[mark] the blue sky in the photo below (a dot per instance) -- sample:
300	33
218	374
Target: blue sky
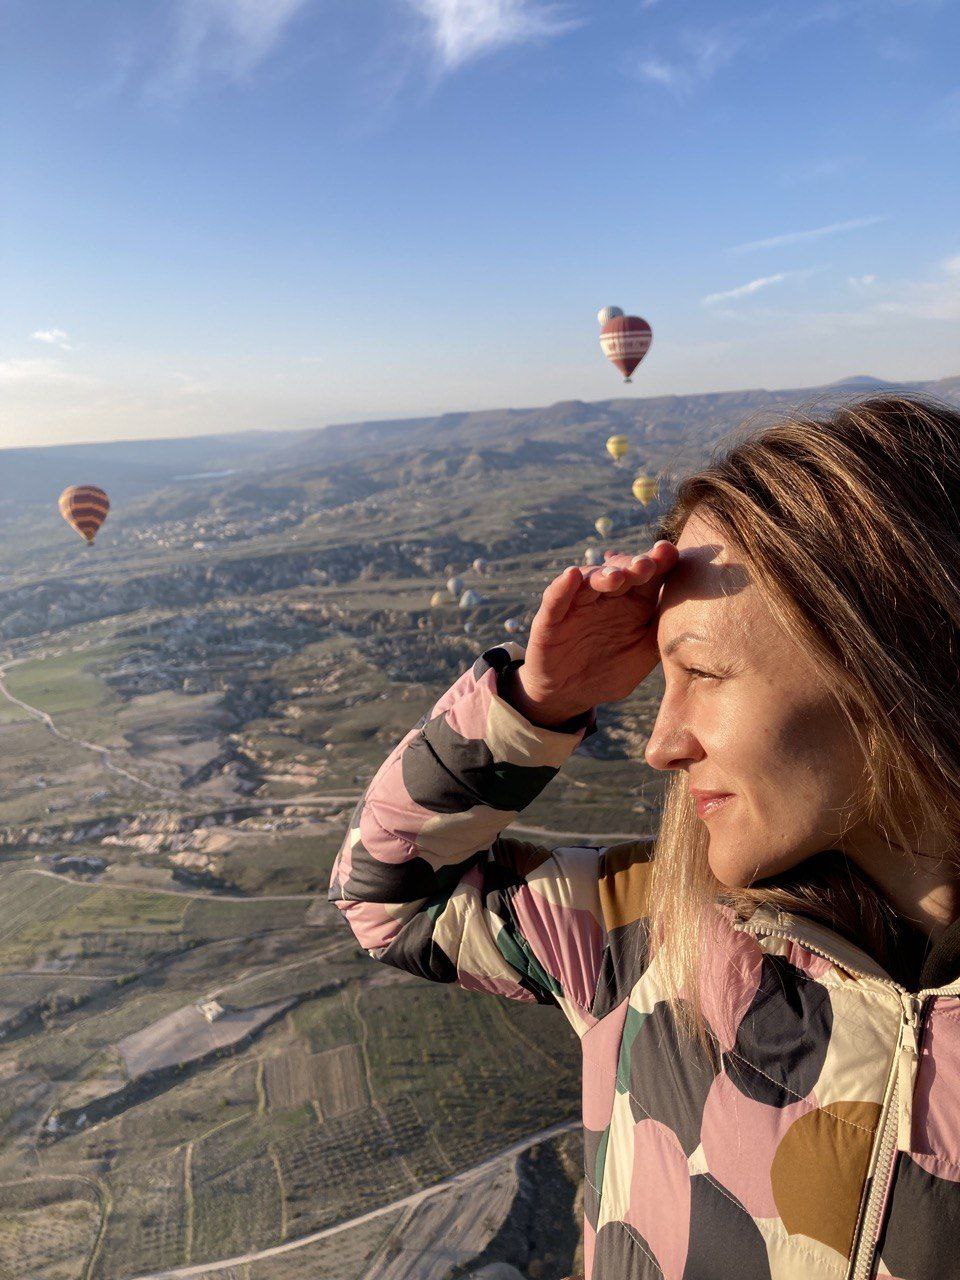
222	214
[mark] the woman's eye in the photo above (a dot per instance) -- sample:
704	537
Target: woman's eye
700	674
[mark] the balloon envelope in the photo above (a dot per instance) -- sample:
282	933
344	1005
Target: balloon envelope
606	314
618	447
593	556
454	586
604	526
513	625
480	565
470	599
625	340
645	488
85	508
438	600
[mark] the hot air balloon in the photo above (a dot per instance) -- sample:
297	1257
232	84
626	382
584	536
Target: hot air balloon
593	556
468	628
480	566
645	488
618	447
606	314
603	526
513	625
85	507
454	586
625	340
438	600
470	599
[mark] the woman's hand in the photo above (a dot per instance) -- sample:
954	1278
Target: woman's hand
594	637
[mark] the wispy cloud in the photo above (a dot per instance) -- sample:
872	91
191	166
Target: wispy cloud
53	338
801	237
701	54
39	373
224	38
461	30
815	170
935	298
751	287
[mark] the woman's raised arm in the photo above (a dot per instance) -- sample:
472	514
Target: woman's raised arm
424	877
428	884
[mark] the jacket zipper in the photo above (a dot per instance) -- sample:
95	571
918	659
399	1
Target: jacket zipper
896	1115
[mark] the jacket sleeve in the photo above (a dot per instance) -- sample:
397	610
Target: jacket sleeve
428	884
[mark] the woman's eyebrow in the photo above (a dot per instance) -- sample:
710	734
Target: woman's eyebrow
677	641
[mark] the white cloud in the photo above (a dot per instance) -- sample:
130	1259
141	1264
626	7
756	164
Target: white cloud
934	298
226	38
815	170
751	287
53	338
700	56
801	237
38	373
861	283
460	30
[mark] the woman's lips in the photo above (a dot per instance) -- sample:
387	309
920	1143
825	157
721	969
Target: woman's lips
710	802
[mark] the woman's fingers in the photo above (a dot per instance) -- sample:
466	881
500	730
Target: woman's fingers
560	595
622	573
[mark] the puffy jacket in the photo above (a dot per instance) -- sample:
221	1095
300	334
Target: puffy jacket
823	1144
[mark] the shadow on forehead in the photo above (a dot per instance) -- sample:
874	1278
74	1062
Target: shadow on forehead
702	575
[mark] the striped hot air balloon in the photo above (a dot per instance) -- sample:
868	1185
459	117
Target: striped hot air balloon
618	447
645	488
603	526
85	507
625	340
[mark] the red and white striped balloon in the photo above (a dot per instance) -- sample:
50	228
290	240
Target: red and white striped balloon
625	340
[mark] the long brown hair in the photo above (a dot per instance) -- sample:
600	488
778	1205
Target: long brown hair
849	525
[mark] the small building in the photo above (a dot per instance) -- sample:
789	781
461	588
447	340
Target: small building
211	1010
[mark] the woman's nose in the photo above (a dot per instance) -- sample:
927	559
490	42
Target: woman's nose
671	745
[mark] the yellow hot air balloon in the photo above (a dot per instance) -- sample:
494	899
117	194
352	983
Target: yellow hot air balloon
618	447
603	526
84	507
646	489
438	600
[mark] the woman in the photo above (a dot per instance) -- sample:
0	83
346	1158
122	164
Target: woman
768	1002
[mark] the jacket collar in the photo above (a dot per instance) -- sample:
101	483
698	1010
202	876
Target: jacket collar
940	971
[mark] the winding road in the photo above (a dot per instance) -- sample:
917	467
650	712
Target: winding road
46	719
458	1179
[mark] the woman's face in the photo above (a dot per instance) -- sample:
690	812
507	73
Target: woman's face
747	718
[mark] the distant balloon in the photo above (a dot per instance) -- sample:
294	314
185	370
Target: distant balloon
438	600
480	565
513	625
454	586
606	314
593	556
470	599
618	447
625	340
85	508
468	628
603	526
646	488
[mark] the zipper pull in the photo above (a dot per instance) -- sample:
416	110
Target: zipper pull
908	1061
